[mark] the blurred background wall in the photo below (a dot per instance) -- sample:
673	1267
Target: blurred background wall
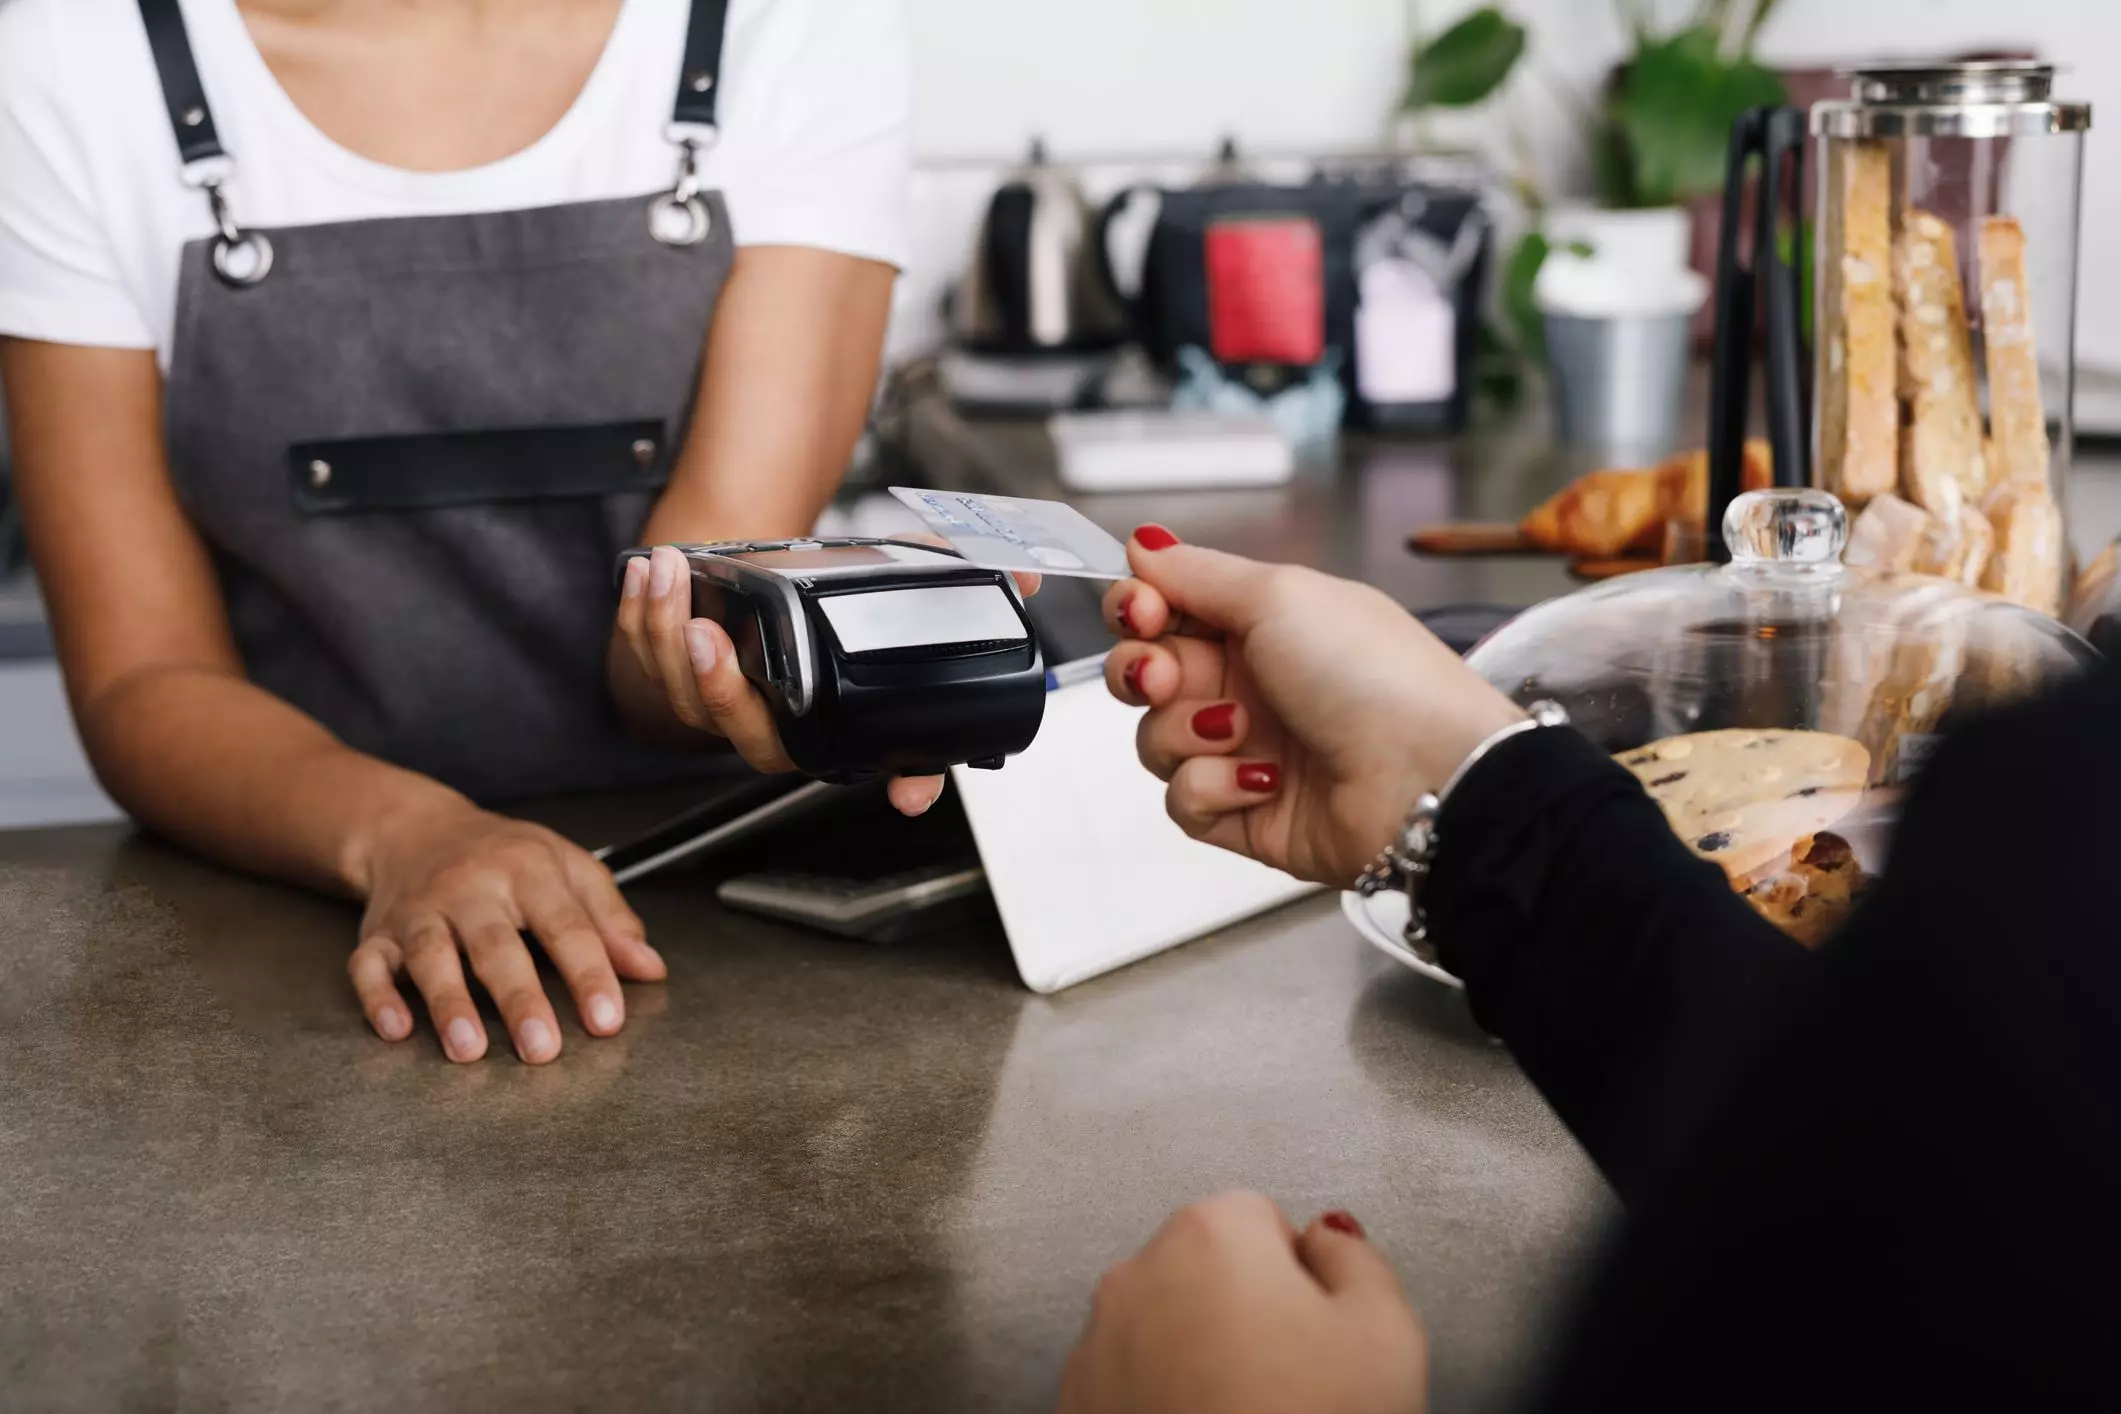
1127	84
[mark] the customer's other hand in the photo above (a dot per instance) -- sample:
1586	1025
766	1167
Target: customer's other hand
1297	717
1230	1311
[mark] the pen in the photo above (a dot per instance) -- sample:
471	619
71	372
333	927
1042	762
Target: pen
1069	674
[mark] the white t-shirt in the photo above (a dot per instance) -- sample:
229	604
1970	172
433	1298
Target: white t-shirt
814	110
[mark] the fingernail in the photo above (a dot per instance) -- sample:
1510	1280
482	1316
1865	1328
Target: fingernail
1125	615
1342	1221
391	1022
1216	723
535	1037
636	577
662	574
463	1039
700	644
1133	677
1154	537
1260	776
603	1013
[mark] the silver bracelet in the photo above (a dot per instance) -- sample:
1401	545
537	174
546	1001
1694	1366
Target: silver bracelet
1404	864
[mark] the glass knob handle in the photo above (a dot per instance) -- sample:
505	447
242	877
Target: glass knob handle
1785	526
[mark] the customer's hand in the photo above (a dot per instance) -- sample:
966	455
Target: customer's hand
1296	716
693	663
456	882
1229	1311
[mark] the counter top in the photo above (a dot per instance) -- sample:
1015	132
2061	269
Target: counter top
809	1174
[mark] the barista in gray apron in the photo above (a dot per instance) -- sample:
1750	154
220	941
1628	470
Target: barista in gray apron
415	448
418	445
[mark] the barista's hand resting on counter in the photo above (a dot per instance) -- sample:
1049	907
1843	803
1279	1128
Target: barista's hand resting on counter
1231	1310
1297	717
693	663
457	883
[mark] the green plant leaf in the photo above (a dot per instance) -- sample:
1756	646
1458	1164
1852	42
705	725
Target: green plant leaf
1518	277
1498	369
1466	63
1675	109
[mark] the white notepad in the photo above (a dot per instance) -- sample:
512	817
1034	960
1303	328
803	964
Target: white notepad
1087	870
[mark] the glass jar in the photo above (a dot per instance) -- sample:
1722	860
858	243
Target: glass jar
1943	337
1778	705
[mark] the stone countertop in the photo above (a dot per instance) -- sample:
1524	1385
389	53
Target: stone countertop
809	1175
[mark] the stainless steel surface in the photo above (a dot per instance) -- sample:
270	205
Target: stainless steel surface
1619	383
1981	99
1973	81
1036	281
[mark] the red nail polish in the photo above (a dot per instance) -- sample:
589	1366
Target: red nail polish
1154	537
1125	615
1341	1221
1261	776
1216	723
1133	675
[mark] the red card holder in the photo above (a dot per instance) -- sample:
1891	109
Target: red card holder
1266	290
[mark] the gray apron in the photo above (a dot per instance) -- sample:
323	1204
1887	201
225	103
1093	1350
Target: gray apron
416	447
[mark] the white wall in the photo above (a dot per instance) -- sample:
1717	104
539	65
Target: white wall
1154	78
1137	75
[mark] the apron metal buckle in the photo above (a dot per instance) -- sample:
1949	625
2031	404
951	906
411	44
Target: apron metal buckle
241	258
679	217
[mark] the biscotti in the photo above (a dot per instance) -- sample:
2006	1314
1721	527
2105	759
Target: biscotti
1957	539
2017	420
1918	686
1859	414
2027	566
1936	370
1889	534
1743	797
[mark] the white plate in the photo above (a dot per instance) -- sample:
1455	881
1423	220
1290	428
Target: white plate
1382	920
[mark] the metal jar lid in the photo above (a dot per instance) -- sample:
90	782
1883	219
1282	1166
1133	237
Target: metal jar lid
1985	99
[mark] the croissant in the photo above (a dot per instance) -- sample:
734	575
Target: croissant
1607	513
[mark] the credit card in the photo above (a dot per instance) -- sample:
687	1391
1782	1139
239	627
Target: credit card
1010	533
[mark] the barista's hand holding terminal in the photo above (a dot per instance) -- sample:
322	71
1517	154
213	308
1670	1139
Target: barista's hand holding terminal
346	346
688	669
1875	1175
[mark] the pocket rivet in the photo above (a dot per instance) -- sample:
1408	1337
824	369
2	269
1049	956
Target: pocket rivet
320	474
644	452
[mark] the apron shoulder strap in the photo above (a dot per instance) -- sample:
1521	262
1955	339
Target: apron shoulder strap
182	93
192	120
701	78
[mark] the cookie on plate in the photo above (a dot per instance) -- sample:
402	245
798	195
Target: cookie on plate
1744	797
1813	897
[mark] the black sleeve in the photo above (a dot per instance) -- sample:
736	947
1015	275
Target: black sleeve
1896	1185
1590	939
